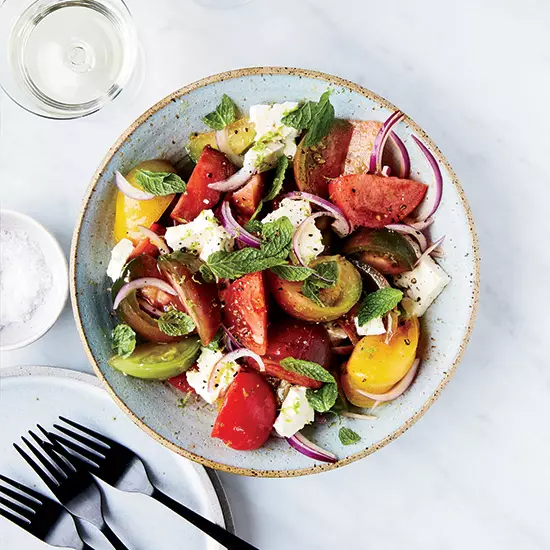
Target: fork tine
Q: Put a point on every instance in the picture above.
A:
(17, 508)
(23, 499)
(86, 453)
(15, 519)
(58, 474)
(27, 491)
(49, 449)
(97, 447)
(51, 483)
(104, 439)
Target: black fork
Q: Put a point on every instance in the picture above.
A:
(120, 467)
(74, 487)
(39, 515)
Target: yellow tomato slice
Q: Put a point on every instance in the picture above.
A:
(376, 367)
(130, 213)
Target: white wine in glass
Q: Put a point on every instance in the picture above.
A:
(66, 58)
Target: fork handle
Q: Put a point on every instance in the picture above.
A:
(116, 543)
(219, 534)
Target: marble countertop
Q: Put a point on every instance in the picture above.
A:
(473, 473)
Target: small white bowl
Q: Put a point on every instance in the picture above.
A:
(18, 335)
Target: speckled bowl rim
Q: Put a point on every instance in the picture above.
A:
(262, 71)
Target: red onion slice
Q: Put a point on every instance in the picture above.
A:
(232, 356)
(140, 283)
(375, 164)
(126, 188)
(341, 225)
(409, 230)
(222, 141)
(303, 445)
(431, 201)
(234, 182)
(429, 250)
(405, 171)
(155, 239)
(147, 307)
(231, 343)
(232, 226)
(422, 225)
(397, 390)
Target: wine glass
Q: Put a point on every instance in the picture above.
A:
(66, 59)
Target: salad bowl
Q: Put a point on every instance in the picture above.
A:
(185, 427)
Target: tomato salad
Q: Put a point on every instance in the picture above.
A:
(284, 281)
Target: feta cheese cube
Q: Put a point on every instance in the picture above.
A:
(295, 412)
(267, 119)
(335, 332)
(372, 328)
(203, 236)
(263, 156)
(423, 284)
(198, 379)
(119, 256)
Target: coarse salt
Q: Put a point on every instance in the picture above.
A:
(25, 278)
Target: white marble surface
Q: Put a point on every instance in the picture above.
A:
(473, 473)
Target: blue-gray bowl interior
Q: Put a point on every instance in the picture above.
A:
(165, 134)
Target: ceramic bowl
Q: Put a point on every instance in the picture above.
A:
(21, 334)
(163, 131)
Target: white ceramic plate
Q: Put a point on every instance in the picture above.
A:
(40, 394)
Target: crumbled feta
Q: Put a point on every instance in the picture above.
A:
(335, 332)
(198, 379)
(119, 256)
(372, 328)
(295, 412)
(203, 236)
(297, 211)
(263, 156)
(423, 284)
(267, 119)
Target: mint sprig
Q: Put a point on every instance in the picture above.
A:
(325, 276)
(322, 399)
(176, 323)
(378, 303)
(347, 436)
(225, 114)
(274, 251)
(294, 273)
(316, 118)
(276, 186)
(124, 340)
(160, 183)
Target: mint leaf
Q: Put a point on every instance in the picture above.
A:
(206, 273)
(275, 248)
(301, 117)
(324, 398)
(254, 226)
(307, 368)
(316, 118)
(176, 323)
(160, 183)
(225, 114)
(378, 303)
(124, 340)
(278, 180)
(292, 272)
(313, 284)
(322, 121)
(347, 436)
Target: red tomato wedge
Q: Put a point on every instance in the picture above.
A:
(180, 383)
(293, 338)
(245, 310)
(144, 246)
(248, 198)
(375, 201)
(199, 299)
(314, 166)
(247, 413)
(212, 166)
